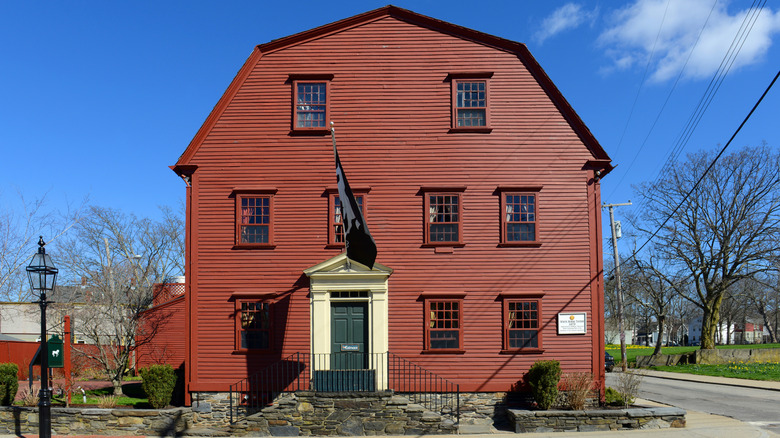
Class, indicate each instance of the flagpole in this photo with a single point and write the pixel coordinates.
(336, 158)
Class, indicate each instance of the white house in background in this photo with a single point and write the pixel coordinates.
(20, 322)
(749, 332)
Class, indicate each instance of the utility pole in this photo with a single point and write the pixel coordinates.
(621, 326)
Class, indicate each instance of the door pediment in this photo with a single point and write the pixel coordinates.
(339, 267)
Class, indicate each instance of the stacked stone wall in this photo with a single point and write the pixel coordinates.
(596, 420)
(306, 413)
(74, 421)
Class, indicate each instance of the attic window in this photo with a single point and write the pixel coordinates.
(471, 102)
(311, 103)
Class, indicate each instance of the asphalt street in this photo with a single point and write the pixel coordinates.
(753, 405)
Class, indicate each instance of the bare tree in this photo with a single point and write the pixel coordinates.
(762, 297)
(655, 291)
(120, 258)
(21, 222)
(724, 229)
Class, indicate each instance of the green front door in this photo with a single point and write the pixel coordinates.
(349, 358)
(349, 332)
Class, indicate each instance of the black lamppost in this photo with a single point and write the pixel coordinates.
(42, 275)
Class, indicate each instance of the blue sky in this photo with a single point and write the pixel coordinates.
(98, 98)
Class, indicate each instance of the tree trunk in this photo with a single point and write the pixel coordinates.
(769, 328)
(117, 387)
(710, 321)
(660, 339)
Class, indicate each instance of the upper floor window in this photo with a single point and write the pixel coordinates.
(520, 217)
(253, 325)
(336, 219)
(443, 218)
(254, 219)
(470, 102)
(311, 105)
(443, 324)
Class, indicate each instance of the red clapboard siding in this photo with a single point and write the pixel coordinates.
(160, 339)
(390, 99)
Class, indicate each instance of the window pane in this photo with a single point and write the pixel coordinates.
(443, 217)
(523, 339)
(471, 103)
(254, 234)
(255, 219)
(443, 324)
(255, 325)
(254, 340)
(311, 105)
(337, 220)
(520, 217)
(522, 324)
(444, 339)
(471, 117)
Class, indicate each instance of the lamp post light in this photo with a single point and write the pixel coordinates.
(43, 275)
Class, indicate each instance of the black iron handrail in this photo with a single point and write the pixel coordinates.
(345, 371)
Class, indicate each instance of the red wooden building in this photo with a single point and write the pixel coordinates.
(478, 182)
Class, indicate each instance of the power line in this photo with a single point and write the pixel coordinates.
(663, 107)
(644, 76)
(712, 88)
(712, 164)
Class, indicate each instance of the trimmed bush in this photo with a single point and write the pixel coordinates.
(613, 398)
(543, 377)
(158, 384)
(9, 383)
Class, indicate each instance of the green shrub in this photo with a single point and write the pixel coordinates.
(543, 377)
(9, 383)
(158, 384)
(613, 398)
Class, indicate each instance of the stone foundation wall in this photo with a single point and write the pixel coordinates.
(306, 413)
(211, 409)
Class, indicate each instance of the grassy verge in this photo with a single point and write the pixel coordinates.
(753, 371)
(134, 396)
(632, 351)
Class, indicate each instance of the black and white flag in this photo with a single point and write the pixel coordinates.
(360, 245)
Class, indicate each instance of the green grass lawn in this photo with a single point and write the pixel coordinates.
(754, 371)
(134, 396)
(632, 351)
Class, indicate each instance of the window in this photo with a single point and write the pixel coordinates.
(519, 217)
(443, 326)
(253, 325)
(442, 218)
(470, 101)
(336, 224)
(311, 105)
(254, 219)
(521, 324)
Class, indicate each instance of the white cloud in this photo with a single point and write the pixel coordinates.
(634, 33)
(568, 16)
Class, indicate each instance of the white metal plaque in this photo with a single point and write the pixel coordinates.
(572, 323)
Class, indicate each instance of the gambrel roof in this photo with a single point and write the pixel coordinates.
(600, 161)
